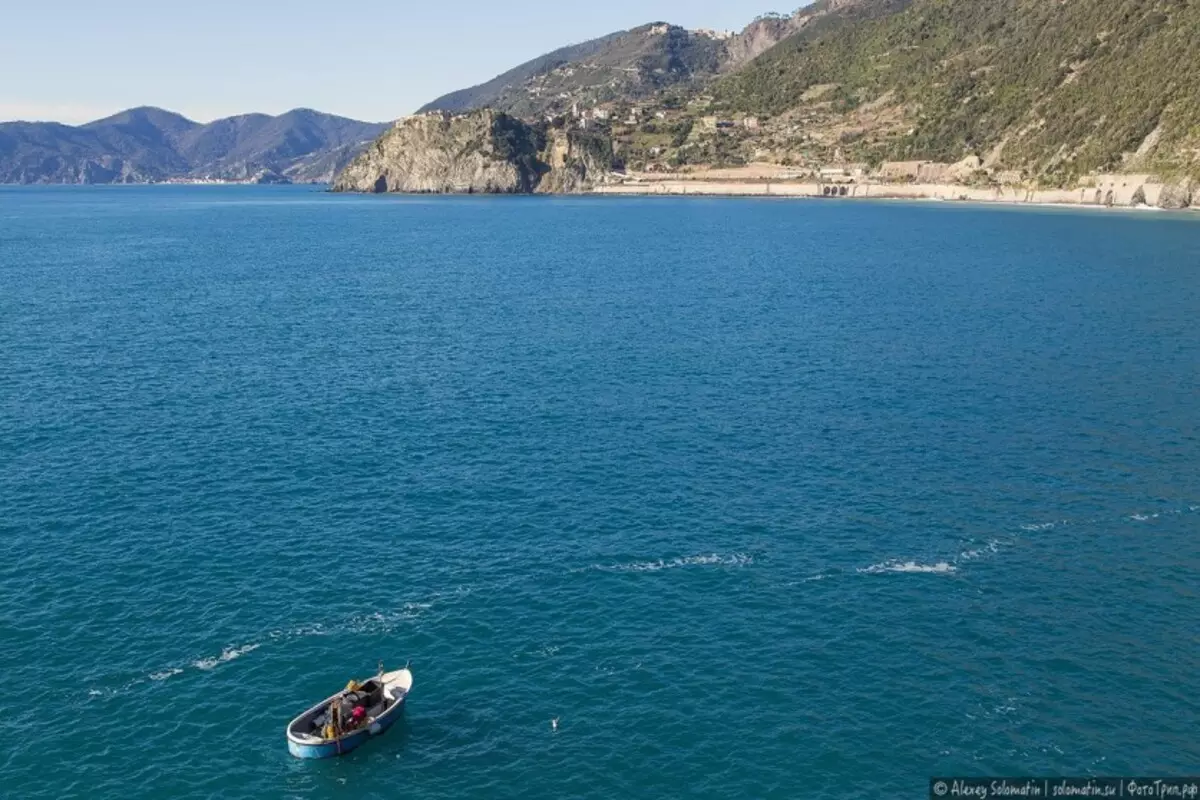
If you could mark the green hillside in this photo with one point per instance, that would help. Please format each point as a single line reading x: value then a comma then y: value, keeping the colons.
x: 1058, y: 89
x: 489, y: 93
x: 622, y: 66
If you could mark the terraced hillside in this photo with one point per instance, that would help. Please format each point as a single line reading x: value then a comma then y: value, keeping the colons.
x: 1055, y: 90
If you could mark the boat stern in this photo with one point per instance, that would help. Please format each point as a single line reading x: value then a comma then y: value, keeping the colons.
x: 307, y: 750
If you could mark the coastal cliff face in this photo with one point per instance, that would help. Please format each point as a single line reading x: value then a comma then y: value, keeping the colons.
x: 485, y: 152
x: 577, y: 161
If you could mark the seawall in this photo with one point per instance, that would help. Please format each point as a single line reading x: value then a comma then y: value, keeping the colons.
x: 1084, y: 196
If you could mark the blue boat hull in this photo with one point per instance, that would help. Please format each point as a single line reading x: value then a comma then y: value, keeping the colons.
x: 349, y: 742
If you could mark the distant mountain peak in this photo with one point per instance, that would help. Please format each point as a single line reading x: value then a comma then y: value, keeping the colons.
x: 147, y: 144
x: 151, y: 115
x: 639, y: 62
x: 622, y: 65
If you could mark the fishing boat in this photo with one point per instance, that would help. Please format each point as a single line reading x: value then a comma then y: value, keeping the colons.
x: 343, y: 722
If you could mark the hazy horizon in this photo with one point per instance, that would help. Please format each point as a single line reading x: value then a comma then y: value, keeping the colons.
x: 227, y: 59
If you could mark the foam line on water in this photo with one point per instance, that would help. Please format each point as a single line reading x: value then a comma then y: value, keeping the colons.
x: 974, y: 554
x: 994, y: 546
x: 939, y: 568
x: 228, y: 654
x: 1137, y: 516
x: 703, y: 560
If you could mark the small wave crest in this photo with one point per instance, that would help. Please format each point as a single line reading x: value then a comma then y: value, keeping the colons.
x: 990, y: 548
x: 228, y: 654
x: 386, y: 621
x: 940, y: 568
x: 710, y: 560
x: 1140, y: 516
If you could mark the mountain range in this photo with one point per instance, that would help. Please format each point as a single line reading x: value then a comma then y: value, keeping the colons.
x: 146, y: 144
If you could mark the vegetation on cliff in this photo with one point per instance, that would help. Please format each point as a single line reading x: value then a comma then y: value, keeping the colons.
x: 621, y: 66
x: 1055, y: 89
x: 478, y: 152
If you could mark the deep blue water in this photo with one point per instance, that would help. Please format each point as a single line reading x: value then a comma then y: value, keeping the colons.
x: 762, y: 499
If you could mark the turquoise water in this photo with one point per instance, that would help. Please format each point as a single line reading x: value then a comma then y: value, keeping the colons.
x: 761, y: 499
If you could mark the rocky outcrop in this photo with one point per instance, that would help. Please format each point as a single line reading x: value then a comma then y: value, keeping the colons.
x: 1177, y: 195
x: 758, y: 37
x: 483, y: 151
x: 770, y: 29
x: 577, y: 160
x: 268, y: 176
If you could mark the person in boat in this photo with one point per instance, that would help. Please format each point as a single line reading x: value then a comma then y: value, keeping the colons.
x: 358, y: 717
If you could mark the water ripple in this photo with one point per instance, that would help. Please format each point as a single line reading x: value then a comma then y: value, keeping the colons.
x: 758, y: 499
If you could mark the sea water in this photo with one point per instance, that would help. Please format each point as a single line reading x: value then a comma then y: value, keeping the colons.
x: 759, y: 499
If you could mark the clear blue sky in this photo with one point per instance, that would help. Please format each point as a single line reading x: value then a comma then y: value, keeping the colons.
x: 77, y: 60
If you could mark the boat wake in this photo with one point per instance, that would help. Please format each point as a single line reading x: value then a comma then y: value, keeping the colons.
x: 970, y: 554
x: 375, y: 622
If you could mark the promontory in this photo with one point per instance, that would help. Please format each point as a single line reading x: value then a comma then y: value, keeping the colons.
x: 481, y: 151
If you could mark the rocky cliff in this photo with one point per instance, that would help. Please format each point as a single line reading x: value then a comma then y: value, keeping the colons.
x: 577, y: 161
x: 484, y: 151
x: 818, y: 17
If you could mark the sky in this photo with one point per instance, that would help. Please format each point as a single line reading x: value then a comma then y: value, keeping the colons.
x: 74, y: 61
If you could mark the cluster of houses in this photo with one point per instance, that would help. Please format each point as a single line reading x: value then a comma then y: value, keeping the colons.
x: 639, y: 113
x: 634, y: 115
x: 719, y: 124
x: 662, y: 29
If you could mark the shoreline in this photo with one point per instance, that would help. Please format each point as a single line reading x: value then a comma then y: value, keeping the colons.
x: 910, y: 193
x: 1082, y: 197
